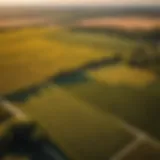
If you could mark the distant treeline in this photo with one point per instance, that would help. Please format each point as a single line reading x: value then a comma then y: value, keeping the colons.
x: 8, y: 29
x: 147, y: 35
x: 17, y: 28
x: 70, y: 14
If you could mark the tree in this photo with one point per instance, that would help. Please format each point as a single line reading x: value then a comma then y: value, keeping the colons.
x: 139, y: 58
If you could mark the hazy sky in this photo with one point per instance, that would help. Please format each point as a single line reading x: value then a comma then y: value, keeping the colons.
x: 76, y: 2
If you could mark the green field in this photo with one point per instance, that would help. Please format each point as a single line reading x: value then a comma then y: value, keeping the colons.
x: 83, y: 117
x: 82, y: 131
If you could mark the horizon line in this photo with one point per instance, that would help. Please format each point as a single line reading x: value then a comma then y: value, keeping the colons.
x: 100, y: 5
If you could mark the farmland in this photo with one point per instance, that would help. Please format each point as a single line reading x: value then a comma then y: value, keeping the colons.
x: 15, y: 22
x: 50, y: 57
x: 122, y: 22
x: 85, y: 88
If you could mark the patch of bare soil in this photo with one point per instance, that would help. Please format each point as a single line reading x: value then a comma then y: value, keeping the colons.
x: 129, y: 23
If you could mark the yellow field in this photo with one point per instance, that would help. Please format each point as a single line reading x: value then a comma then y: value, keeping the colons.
x: 27, y: 57
x: 124, y: 75
x: 83, y: 119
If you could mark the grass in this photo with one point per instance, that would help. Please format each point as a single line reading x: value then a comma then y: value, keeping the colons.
x: 108, y: 44
x: 81, y: 130
x: 146, y: 151
x: 123, y: 75
x: 83, y: 125
x: 28, y: 58
x: 138, y: 106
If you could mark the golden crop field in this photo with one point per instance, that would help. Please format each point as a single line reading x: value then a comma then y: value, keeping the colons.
x: 124, y: 75
x: 27, y: 58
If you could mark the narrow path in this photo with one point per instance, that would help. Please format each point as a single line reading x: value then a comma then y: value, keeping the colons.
x: 13, y: 110
x: 127, y: 149
x: 140, y: 138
